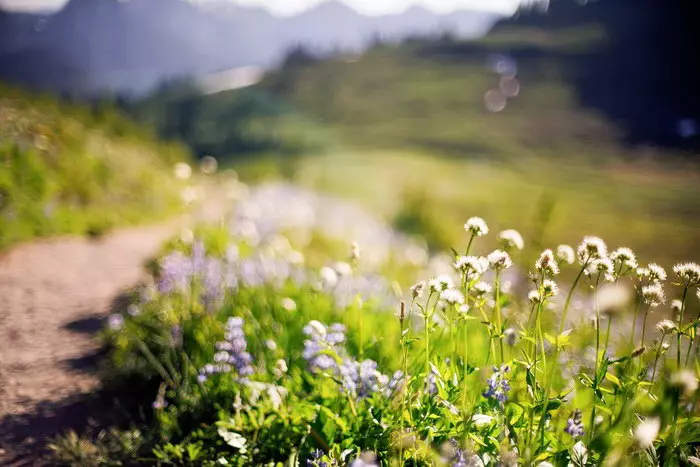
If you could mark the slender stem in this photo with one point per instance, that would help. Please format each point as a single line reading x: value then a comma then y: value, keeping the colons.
x: 656, y: 360
x: 568, y: 297
x: 498, y: 312
x: 607, y: 334
x: 634, y: 324
x: 597, y: 352
x: 680, y: 326
x: 644, y: 329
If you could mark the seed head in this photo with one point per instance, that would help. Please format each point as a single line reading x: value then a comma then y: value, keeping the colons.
x: 613, y: 298
x: 646, y: 432
x: 511, y: 239
x: 591, y: 248
x: 546, y: 264
x: 676, y: 306
x: 549, y: 289
x: 470, y: 266
x: 481, y: 289
x: 534, y: 296
x: 688, y: 273
x: 656, y: 272
x: 565, y: 254
x: 402, y: 311
x: 625, y: 257
x: 685, y: 381
x: 440, y: 283
x: 417, y: 289
x: 452, y: 297
x: 499, y: 260
x: 653, y: 295
x: 476, y: 226
x: 666, y: 326
x: 603, y: 267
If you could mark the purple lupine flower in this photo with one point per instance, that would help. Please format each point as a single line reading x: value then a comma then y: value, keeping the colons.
x: 315, y: 460
x: 574, y: 425
x: 498, y: 384
x: 360, y: 379
x: 231, y: 353
x: 212, y: 282
x: 176, y: 272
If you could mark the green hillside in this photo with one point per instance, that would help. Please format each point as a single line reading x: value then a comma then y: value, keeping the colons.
x: 73, y: 169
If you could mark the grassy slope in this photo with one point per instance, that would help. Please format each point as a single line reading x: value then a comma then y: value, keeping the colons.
x: 66, y: 169
x: 395, y: 107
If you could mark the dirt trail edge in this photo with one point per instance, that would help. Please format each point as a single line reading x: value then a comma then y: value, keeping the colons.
x: 54, y: 296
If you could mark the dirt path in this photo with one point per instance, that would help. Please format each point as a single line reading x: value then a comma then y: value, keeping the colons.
x: 54, y: 296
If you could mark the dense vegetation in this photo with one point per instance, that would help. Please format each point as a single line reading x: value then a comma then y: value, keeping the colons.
x: 248, y: 356
x: 75, y: 169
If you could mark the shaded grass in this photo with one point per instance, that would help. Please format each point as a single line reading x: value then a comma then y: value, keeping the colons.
x: 67, y: 169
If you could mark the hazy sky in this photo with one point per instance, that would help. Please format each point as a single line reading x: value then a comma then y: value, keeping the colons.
x: 287, y: 7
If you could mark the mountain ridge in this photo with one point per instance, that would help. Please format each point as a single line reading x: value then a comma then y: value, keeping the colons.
x: 132, y: 46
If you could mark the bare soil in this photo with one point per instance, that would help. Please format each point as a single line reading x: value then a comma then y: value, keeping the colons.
x: 55, y: 295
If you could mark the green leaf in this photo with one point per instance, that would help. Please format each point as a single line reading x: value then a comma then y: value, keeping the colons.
x: 614, y: 379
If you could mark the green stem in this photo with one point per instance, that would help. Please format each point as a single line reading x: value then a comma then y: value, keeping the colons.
x: 597, y: 352
x: 634, y: 324
x: 498, y: 312
x: 680, y: 326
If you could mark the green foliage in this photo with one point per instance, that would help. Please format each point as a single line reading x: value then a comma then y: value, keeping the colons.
x: 230, y: 124
x: 71, y: 169
x: 486, y: 375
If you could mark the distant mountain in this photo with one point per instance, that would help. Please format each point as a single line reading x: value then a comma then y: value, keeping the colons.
x: 133, y: 45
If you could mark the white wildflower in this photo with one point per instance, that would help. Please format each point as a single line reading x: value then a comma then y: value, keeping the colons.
x: 481, y: 288
x: 603, y: 267
x: 666, y: 326
x: 688, y: 273
x: 288, y: 304
x: 591, y: 248
x: 533, y: 296
x: 646, y: 432
x: 271, y: 345
x: 546, y: 264
x: 115, y: 321
x: 417, y: 289
x: 656, y: 272
x: 452, y: 297
x: 342, y: 268
x: 440, y: 283
x: 470, y: 266
x: 476, y: 226
x: 481, y: 420
x: 685, y: 381
x: 315, y: 327
x: 511, y: 239
x: 676, y: 306
x: 653, y: 295
x: 329, y: 276
x: 549, y: 288
x: 566, y: 254
x: 625, y: 257
x: 613, y: 298
x: 499, y: 260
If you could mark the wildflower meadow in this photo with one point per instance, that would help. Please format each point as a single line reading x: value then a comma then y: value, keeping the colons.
x: 268, y: 341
